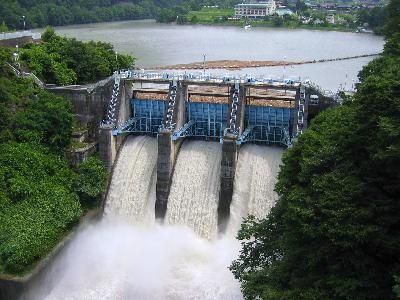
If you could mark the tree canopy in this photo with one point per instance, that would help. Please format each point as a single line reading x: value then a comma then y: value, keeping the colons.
x: 64, y: 61
x: 41, y: 195
x: 335, y: 231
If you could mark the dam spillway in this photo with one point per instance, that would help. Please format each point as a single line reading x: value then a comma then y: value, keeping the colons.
x: 181, y: 259
x: 193, y: 199
x: 132, y: 190
x: 253, y: 191
x: 234, y: 111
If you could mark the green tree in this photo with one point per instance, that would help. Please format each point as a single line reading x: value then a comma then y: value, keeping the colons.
x: 393, y: 21
x: 335, y: 231
x: 37, y: 204
x: 65, y: 61
x: 47, y: 120
x: 90, y: 183
x: 3, y: 27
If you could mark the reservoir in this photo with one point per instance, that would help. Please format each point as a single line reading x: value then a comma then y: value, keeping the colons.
x: 155, y: 45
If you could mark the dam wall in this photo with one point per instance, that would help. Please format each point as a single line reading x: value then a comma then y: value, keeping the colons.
x: 88, y: 106
x: 229, y: 111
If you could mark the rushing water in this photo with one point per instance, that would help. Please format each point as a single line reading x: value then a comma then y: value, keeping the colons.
x: 115, y: 259
x: 132, y: 190
x: 156, y: 44
x: 112, y: 260
x: 193, y: 199
x: 255, y: 178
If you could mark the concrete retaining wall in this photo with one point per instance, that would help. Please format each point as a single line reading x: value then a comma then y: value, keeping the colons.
x: 89, y: 108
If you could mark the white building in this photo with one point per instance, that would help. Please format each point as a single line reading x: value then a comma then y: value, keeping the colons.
x: 255, y: 10
x: 330, y: 19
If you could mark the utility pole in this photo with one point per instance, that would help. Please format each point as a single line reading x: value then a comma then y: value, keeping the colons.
x: 284, y: 67
x: 16, y: 58
x: 204, y: 64
x: 116, y: 59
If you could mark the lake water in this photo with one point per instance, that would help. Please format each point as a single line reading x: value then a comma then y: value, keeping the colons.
x: 155, y: 44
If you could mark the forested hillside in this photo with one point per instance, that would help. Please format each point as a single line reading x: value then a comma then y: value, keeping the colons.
x: 41, y: 195
x: 39, y: 13
x: 335, y: 231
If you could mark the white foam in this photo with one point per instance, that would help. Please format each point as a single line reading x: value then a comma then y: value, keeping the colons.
x: 194, y: 194
x: 255, y: 178
x: 132, y: 190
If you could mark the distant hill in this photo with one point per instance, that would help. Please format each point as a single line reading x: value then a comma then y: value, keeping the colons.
x: 40, y: 13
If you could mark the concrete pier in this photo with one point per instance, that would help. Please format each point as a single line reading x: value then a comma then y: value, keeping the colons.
x: 230, y: 153
x: 168, y: 152
x: 227, y: 177
x: 109, y: 144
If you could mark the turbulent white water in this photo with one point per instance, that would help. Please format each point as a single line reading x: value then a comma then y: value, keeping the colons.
x: 114, y: 260
x: 132, y: 190
x: 193, y: 198
x: 117, y: 259
x: 255, y: 178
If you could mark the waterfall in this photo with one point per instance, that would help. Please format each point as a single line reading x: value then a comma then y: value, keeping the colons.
x: 194, y: 194
x: 132, y: 190
x: 255, y: 178
x: 182, y: 259
x: 114, y: 260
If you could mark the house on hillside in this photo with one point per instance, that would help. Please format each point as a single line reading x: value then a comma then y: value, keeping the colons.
x: 255, y: 10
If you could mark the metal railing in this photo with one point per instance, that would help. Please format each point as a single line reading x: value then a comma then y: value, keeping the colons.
x: 154, y: 75
x: 111, y: 118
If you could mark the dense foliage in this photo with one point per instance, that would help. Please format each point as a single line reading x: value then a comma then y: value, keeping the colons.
x: 37, y: 203
x: 89, y: 183
x: 65, y: 61
x: 376, y: 18
x: 39, y: 13
x: 41, y: 196
x: 335, y: 231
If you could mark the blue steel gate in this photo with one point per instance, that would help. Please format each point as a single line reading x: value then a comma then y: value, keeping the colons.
x: 269, y: 125
x: 209, y: 119
x: 147, y: 117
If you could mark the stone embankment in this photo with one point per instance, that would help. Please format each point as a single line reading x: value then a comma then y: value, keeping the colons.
x: 240, y: 64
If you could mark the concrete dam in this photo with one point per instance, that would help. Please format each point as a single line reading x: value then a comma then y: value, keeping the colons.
x: 197, y: 155
x: 190, y: 140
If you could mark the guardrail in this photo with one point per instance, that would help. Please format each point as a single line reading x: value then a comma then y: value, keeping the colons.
x: 150, y: 75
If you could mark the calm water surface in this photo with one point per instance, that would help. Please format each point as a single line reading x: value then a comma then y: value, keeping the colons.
x: 156, y: 44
